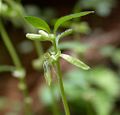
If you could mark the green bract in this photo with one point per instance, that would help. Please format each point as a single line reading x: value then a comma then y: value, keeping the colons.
x: 75, y: 61
x: 41, y: 36
x: 37, y: 37
x: 34, y: 36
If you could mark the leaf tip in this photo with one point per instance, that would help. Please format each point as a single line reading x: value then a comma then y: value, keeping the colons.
x: 92, y: 12
x: 28, y: 35
x: 87, y: 68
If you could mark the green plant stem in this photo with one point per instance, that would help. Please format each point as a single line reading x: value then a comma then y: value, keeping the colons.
x: 67, y: 111
x: 17, y: 63
x: 9, y: 46
x: 38, y: 47
x: 59, y: 74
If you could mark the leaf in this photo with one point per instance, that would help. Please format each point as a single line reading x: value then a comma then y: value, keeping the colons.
x: 38, y: 23
x: 75, y: 61
x: 102, y: 103
x: 47, y: 72
x: 69, y: 17
x: 101, y: 75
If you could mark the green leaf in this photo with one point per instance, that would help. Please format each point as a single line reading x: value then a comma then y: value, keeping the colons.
x: 69, y: 17
x: 47, y: 72
x: 38, y: 23
x: 102, y: 103
x: 101, y: 75
x: 75, y: 61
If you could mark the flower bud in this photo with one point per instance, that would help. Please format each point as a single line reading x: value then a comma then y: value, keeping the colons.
x: 43, y: 33
x: 19, y: 73
x: 33, y: 36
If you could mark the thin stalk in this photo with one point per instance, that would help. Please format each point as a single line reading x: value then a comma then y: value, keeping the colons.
x: 59, y: 75
x: 9, y: 46
x: 38, y: 47
x: 17, y: 63
x: 66, y: 107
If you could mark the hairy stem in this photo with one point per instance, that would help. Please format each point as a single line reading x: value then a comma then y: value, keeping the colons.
x: 59, y: 75
x: 18, y: 65
x: 67, y: 111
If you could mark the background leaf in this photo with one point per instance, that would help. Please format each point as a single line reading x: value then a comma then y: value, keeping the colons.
x: 38, y: 23
x: 69, y: 17
x: 74, y: 45
x: 75, y: 61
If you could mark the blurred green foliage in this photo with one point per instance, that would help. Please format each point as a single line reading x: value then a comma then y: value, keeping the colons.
x: 102, y: 7
x: 98, y: 87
